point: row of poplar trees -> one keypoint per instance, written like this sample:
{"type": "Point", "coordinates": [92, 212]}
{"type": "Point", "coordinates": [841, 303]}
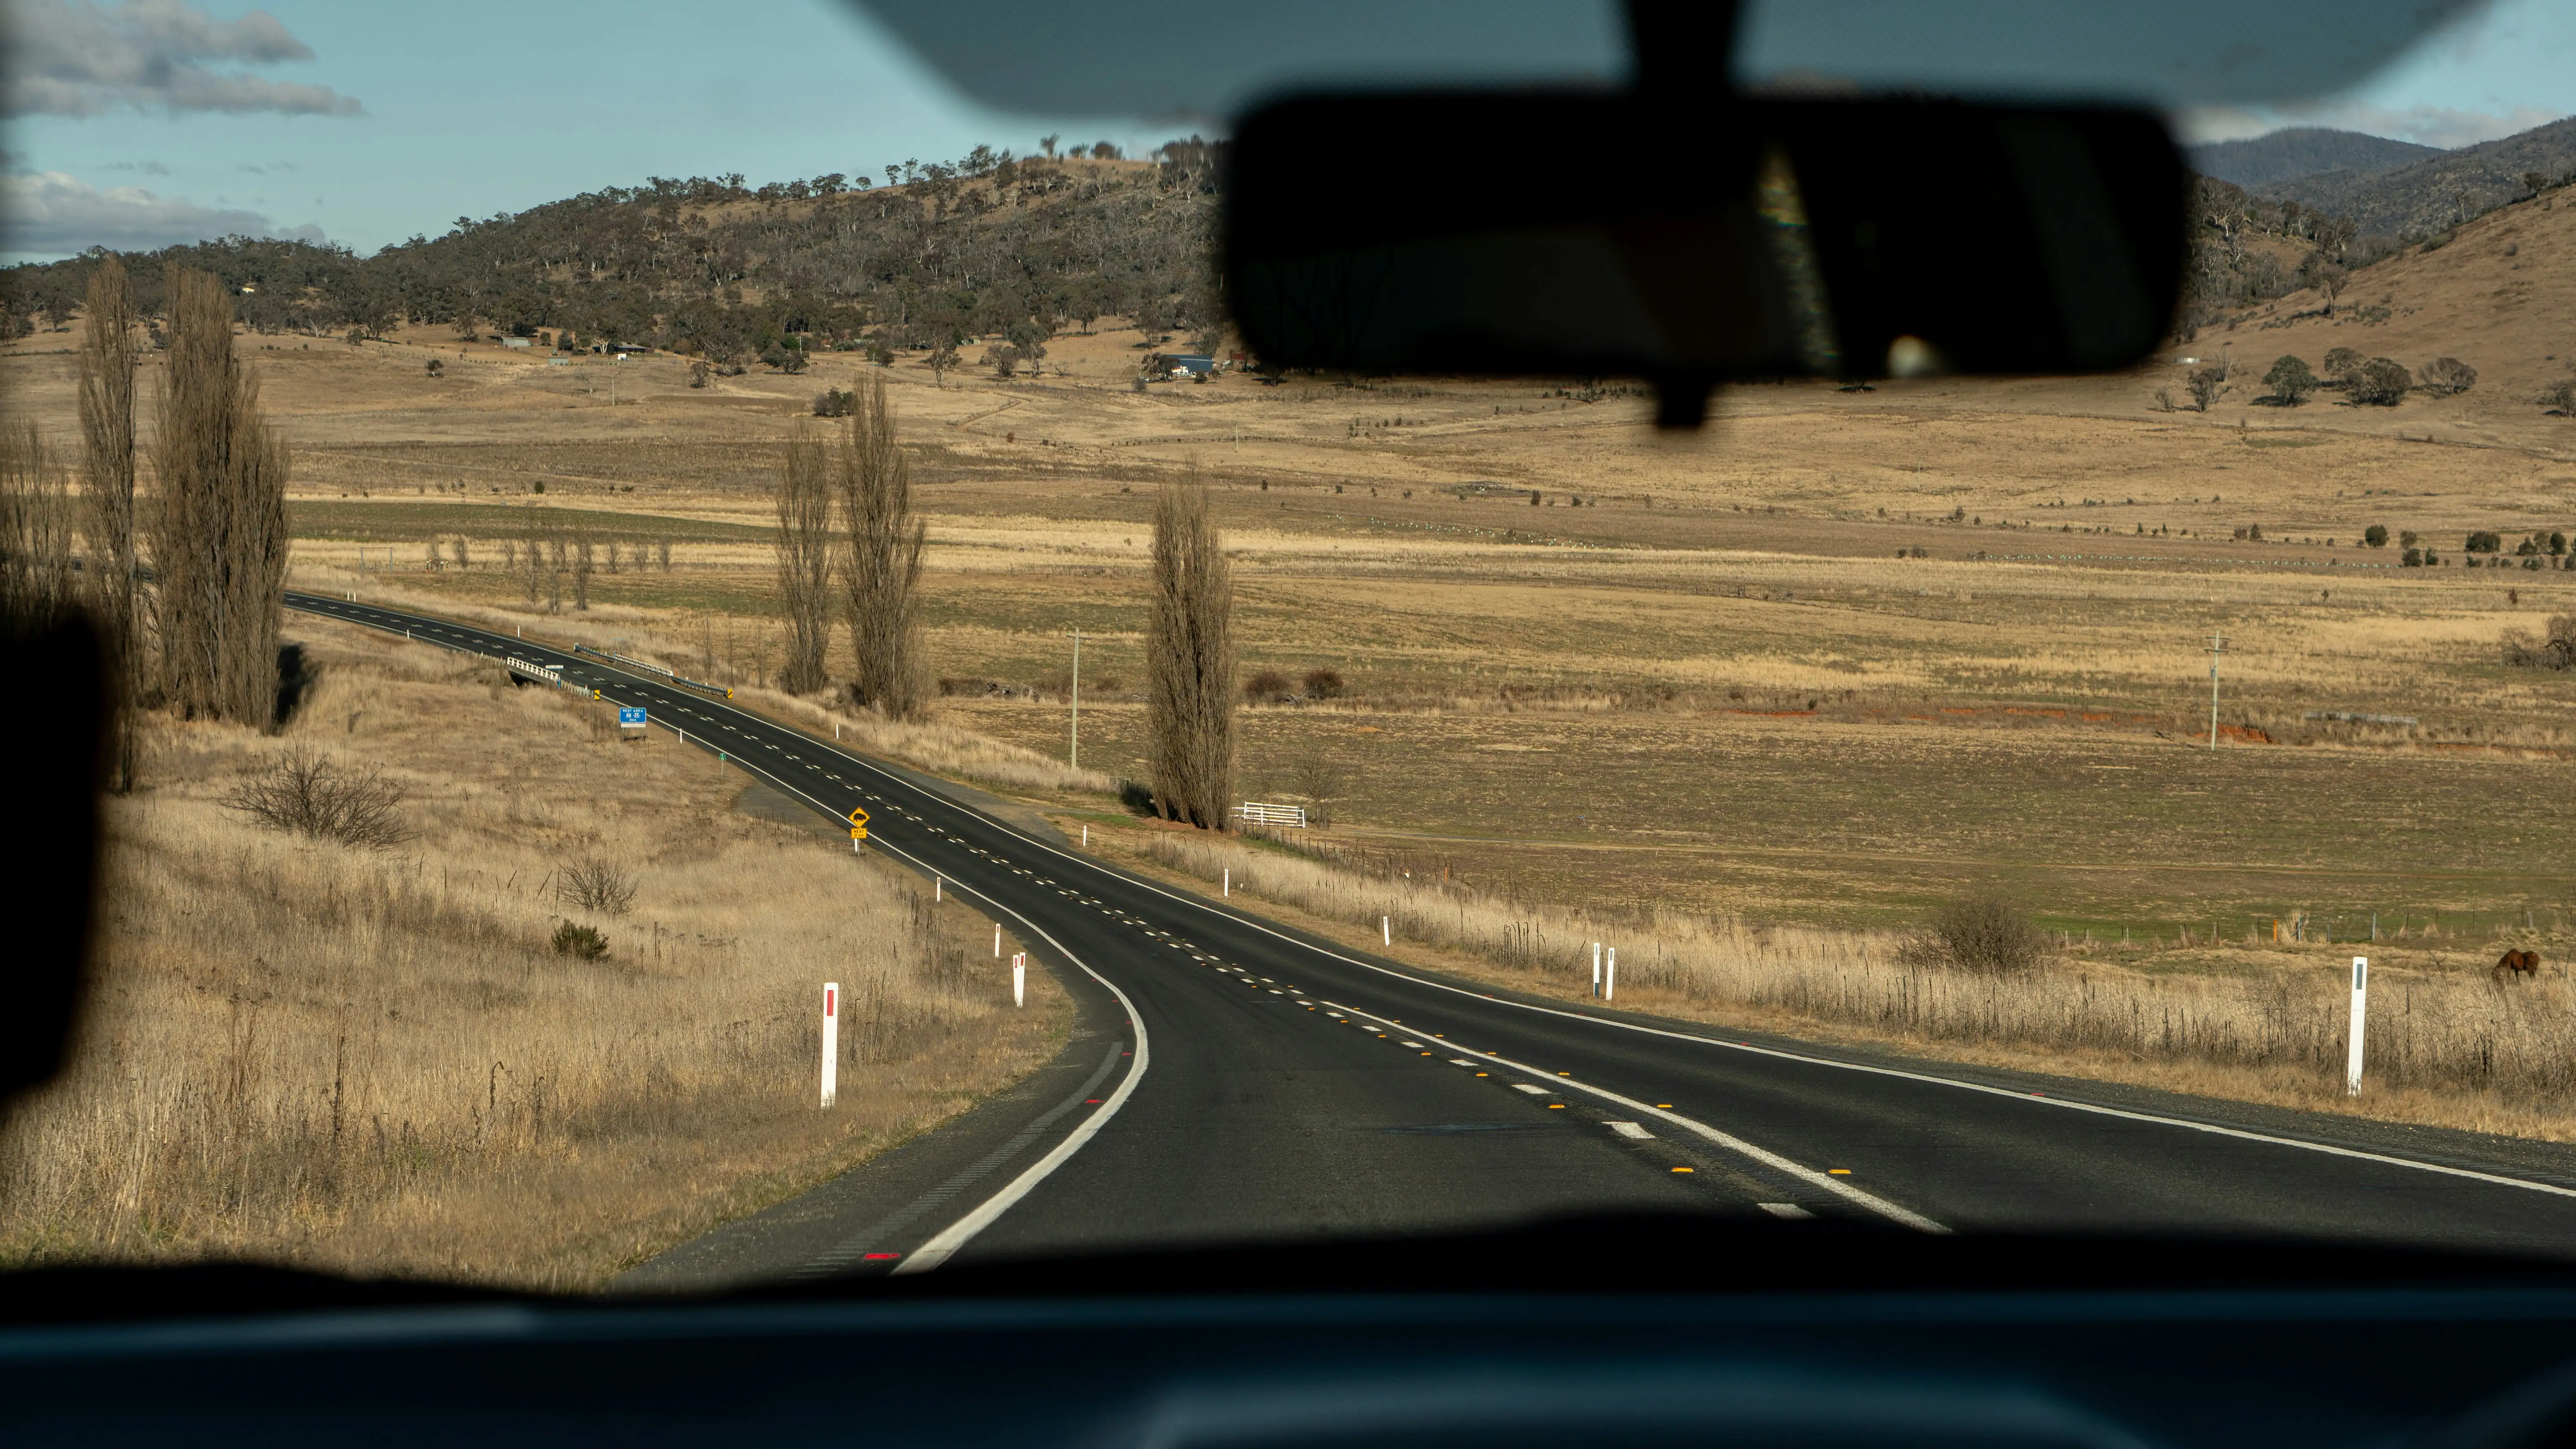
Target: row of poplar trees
{"type": "Point", "coordinates": [185, 582]}
{"type": "Point", "coordinates": [845, 518]}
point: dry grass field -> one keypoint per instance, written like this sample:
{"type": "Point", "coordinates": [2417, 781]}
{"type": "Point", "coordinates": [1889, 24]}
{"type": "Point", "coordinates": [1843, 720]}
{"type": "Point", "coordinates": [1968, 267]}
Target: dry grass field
{"type": "Point", "coordinates": [1835, 660]}
{"type": "Point", "coordinates": [375, 1061]}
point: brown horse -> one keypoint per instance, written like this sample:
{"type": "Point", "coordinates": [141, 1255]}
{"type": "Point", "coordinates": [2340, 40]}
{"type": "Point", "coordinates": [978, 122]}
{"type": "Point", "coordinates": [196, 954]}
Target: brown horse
{"type": "Point", "coordinates": [2517, 963]}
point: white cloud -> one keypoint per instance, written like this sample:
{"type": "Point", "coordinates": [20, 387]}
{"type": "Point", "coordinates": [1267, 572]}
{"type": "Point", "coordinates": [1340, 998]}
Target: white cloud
{"type": "Point", "coordinates": [2443, 126]}
{"type": "Point", "coordinates": [66, 59]}
{"type": "Point", "coordinates": [49, 214]}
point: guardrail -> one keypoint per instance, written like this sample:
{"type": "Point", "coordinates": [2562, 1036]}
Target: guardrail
{"type": "Point", "coordinates": [630, 662]}
{"type": "Point", "coordinates": [1254, 812]}
{"type": "Point", "coordinates": [649, 667]}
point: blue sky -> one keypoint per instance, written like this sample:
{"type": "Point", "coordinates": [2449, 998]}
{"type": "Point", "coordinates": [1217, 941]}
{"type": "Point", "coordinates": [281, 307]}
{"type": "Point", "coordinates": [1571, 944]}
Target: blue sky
{"type": "Point", "coordinates": [137, 123]}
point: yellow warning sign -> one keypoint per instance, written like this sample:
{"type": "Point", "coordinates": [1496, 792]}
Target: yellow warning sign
{"type": "Point", "coordinates": [858, 823]}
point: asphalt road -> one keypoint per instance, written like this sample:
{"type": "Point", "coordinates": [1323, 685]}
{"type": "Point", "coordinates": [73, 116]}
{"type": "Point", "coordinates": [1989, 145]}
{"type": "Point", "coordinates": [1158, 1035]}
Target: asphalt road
{"type": "Point", "coordinates": [1234, 1079]}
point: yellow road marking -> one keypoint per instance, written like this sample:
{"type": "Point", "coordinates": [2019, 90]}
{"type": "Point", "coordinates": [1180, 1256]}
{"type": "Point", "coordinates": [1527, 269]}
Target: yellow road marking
{"type": "Point", "coordinates": [1839, 1171]}
{"type": "Point", "coordinates": [1685, 1169]}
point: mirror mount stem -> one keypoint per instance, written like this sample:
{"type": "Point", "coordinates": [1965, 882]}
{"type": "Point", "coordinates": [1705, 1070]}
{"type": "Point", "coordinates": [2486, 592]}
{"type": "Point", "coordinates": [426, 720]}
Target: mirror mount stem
{"type": "Point", "coordinates": [1681, 400]}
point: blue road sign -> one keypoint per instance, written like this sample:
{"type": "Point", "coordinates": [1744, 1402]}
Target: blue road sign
{"type": "Point", "coordinates": [630, 718]}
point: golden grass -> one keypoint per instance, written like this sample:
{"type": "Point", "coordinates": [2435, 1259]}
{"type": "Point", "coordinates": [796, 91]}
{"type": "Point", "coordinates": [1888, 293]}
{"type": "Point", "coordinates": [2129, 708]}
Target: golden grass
{"type": "Point", "coordinates": [2446, 1044]}
{"type": "Point", "coordinates": [375, 1063]}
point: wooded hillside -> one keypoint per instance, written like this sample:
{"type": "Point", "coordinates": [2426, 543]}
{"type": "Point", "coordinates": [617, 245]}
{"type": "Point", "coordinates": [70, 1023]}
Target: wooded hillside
{"type": "Point", "coordinates": [990, 244]}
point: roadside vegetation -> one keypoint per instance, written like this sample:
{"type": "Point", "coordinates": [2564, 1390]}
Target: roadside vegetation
{"type": "Point", "coordinates": [2448, 1042]}
{"type": "Point", "coordinates": [447, 981]}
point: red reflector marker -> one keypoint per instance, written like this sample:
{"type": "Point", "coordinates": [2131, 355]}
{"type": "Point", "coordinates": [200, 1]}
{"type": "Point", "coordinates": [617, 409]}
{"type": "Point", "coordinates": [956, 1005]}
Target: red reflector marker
{"type": "Point", "coordinates": [878, 1257]}
{"type": "Point", "coordinates": [1091, 1101]}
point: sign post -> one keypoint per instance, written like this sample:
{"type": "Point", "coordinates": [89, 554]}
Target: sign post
{"type": "Point", "coordinates": [831, 1039]}
{"type": "Point", "coordinates": [2360, 994]}
{"type": "Point", "coordinates": [858, 831]}
{"type": "Point", "coordinates": [1019, 978]}
{"type": "Point", "coordinates": [630, 718]}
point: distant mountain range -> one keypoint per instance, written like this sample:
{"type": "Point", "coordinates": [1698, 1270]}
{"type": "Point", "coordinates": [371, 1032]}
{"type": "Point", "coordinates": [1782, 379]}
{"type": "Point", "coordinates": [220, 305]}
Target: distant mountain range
{"type": "Point", "coordinates": [2302, 152]}
{"type": "Point", "coordinates": [2434, 193]}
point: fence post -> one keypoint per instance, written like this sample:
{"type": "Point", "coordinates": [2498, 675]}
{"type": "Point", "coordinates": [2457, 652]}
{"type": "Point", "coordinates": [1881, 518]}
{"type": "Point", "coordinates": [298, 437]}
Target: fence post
{"type": "Point", "coordinates": [831, 1040]}
{"type": "Point", "coordinates": [1019, 978]}
{"type": "Point", "coordinates": [2360, 994]}
{"type": "Point", "coordinates": [1610, 976]}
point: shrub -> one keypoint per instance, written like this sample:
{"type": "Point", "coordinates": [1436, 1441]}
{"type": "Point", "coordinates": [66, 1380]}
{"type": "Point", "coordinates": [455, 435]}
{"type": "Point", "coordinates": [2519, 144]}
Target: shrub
{"type": "Point", "coordinates": [2376, 536]}
{"type": "Point", "coordinates": [595, 884]}
{"type": "Point", "coordinates": [574, 939]}
{"type": "Point", "coordinates": [2406, 539]}
{"type": "Point", "coordinates": [2205, 384]}
{"type": "Point", "coordinates": [306, 794]}
{"type": "Point", "coordinates": [2555, 649]}
{"type": "Point", "coordinates": [1266, 684]}
{"type": "Point", "coordinates": [1982, 933]}
{"type": "Point", "coordinates": [834, 402]}
{"type": "Point", "coordinates": [1324, 682]}
{"type": "Point", "coordinates": [2380, 382]}
{"type": "Point", "coordinates": [2482, 542]}
{"type": "Point", "coordinates": [2560, 398]}
{"type": "Point", "coordinates": [2342, 362]}
{"type": "Point", "coordinates": [436, 367]}
{"type": "Point", "coordinates": [2446, 377]}
{"type": "Point", "coordinates": [2414, 559]}
{"type": "Point", "coordinates": [2290, 380]}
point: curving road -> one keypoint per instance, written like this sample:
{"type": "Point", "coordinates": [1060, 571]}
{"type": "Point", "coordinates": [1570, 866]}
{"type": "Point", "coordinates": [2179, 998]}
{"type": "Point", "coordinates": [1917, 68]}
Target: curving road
{"type": "Point", "coordinates": [1236, 1079]}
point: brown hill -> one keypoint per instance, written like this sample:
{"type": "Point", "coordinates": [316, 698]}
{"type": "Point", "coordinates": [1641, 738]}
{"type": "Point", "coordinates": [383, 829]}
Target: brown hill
{"type": "Point", "coordinates": [2499, 294]}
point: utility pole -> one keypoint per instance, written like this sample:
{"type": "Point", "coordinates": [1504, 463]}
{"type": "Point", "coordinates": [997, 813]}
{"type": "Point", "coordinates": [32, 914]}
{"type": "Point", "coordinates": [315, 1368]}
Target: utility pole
{"type": "Point", "coordinates": [1076, 761]}
{"type": "Point", "coordinates": [2217, 646]}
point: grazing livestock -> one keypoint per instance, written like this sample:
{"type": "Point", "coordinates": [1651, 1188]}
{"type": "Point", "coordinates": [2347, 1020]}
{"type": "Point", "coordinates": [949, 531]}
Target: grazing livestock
{"type": "Point", "coordinates": [2517, 963]}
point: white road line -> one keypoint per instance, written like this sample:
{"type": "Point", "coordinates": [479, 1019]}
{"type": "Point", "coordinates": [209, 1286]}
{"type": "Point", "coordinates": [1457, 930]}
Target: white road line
{"type": "Point", "coordinates": [1788, 1210]}
{"type": "Point", "coordinates": [1534, 1091]}
{"type": "Point", "coordinates": [1727, 1140]}
{"type": "Point", "coordinates": [1631, 1129]}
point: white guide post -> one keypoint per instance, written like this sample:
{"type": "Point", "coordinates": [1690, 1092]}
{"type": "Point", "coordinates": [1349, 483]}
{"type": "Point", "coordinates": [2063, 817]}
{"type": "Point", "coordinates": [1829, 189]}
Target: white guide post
{"type": "Point", "coordinates": [2360, 994]}
{"type": "Point", "coordinates": [938, 890]}
{"type": "Point", "coordinates": [1385, 932]}
{"type": "Point", "coordinates": [1229, 882]}
{"type": "Point", "coordinates": [831, 1040]}
{"type": "Point", "coordinates": [997, 940]}
{"type": "Point", "coordinates": [1596, 968]}
{"type": "Point", "coordinates": [1086, 837]}
{"type": "Point", "coordinates": [1019, 978]}
{"type": "Point", "coordinates": [1610, 976]}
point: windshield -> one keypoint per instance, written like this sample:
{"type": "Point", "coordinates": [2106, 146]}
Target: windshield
{"type": "Point", "coordinates": [731, 672]}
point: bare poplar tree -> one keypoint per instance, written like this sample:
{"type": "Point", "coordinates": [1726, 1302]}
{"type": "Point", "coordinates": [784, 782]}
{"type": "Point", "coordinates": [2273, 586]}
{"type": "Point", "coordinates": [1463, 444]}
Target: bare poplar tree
{"type": "Point", "coordinates": [555, 558]}
{"type": "Point", "coordinates": [219, 545]}
{"type": "Point", "coordinates": [37, 586]}
{"type": "Point", "coordinates": [464, 558]}
{"type": "Point", "coordinates": [666, 555]}
{"type": "Point", "coordinates": [883, 566]}
{"type": "Point", "coordinates": [804, 544]}
{"type": "Point", "coordinates": [582, 559]}
{"type": "Point", "coordinates": [534, 557]}
{"type": "Point", "coordinates": [1189, 660]}
{"type": "Point", "coordinates": [107, 359]}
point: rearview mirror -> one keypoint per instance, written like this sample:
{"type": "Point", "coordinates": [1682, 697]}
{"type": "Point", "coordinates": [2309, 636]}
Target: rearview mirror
{"type": "Point", "coordinates": [1591, 234]}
